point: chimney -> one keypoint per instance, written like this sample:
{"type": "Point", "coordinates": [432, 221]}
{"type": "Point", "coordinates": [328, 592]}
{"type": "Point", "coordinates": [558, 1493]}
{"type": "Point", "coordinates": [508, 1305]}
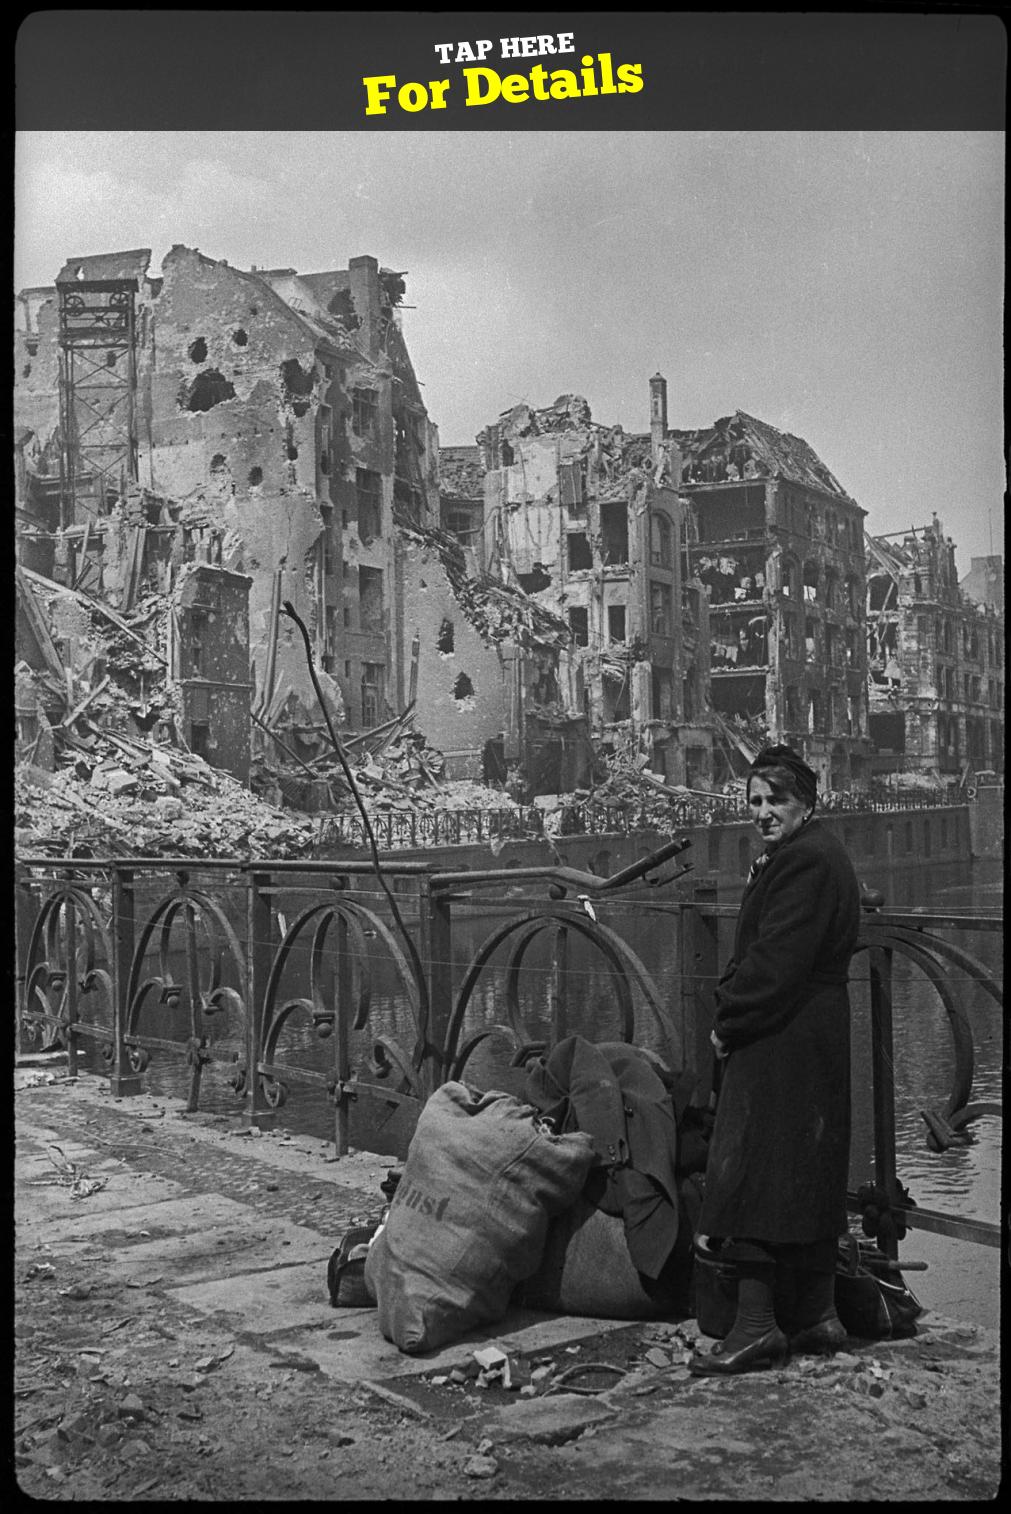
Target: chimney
{"type": "Point", "coordinates": [364, 280]}
{"type": "Point", "coordinates": [658, 414]}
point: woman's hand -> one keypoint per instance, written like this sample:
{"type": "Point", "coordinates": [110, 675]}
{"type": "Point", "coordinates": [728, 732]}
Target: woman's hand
{"type": "Point", "coordinates": [718, 1046]}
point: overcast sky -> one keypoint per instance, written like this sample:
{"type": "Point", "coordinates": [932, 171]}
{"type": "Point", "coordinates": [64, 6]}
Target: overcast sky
{"type": "Point", "coordinates": [844, 286]}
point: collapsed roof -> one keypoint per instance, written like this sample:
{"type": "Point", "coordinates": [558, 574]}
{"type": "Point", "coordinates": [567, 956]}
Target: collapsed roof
{"type": "Point", "coordinates": [739, 446]}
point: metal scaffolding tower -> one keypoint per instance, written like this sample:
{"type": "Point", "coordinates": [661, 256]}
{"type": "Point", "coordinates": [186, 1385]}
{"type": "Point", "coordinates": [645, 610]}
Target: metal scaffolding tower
{"type": "Point", "coordinates": [98, 394]}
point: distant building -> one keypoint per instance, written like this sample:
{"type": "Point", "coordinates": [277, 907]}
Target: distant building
{"type": "Point", "coordinates": [936, 658]}
{"type": "Point", "coordinates": [777, 544]}
{"type": "Point", "coordinates": [984, 583]}
{"type": "Point", "coordinates": [588, 522]}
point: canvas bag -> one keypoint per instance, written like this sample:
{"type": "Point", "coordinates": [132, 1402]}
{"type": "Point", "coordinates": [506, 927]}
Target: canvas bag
{"type": "Point", "coordinates": [483, 1177]}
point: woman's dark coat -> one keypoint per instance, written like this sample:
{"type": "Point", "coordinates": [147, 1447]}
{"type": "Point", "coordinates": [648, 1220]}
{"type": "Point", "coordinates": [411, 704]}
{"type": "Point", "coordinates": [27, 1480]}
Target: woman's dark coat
{"type": "Point", "coordinates": [779, 1156]}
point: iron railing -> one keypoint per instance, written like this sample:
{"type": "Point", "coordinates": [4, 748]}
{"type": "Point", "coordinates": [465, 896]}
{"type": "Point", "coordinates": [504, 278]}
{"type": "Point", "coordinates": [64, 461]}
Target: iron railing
{"type": "Point", "coordinates": [414, 827]}
{"type": "Point", "coordinates": [278, 978]}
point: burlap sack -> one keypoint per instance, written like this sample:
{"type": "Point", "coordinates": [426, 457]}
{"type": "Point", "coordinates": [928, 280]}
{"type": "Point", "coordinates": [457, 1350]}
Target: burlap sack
{"type": "Point", "coordinates": [483, 1177]}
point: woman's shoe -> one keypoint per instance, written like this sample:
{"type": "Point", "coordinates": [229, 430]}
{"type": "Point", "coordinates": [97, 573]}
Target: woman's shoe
{"type": "Point", "coordinates": [755, 1356]}
{"type": "Point", "coordinates": [822, 1339]}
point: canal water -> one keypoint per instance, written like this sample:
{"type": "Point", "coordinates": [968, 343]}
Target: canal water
{"type": "Point", "coordinates": [963, 1181]}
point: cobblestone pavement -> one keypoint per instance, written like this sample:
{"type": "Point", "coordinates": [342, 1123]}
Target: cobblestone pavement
{"type": "Point", "coordinates": [217, 1154]}
{"type": "Point", "coordinates": [149, 1364]}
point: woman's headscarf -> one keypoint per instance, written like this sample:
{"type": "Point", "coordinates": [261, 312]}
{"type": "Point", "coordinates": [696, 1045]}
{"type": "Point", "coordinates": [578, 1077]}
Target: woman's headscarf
{"type": "Point", "coordinates": [790, 768]}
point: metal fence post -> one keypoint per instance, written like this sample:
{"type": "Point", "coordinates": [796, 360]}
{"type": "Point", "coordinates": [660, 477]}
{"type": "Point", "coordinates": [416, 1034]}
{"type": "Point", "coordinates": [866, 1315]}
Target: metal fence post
{"type": "Point", "coordinates": [699, 971]}
{"type": "Point", "coordinates": [259, 954]}
{"type": "Point", "coordinates": [342, 1048]}
{"type": "Point", "coordinates": [125, 1079]}
{"type": "Point", "coordinates": [24, 911]}
{"type": "Point", "coordinates": [435, 946]}
{"type": "Point", "coordinates": [883, 1080]}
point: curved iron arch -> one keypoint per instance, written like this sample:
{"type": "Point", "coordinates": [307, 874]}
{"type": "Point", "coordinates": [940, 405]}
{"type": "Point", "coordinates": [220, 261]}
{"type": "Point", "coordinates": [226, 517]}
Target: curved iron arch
{"type": "Point", "coordinates": [193, 905]}
{"type": "Point", "coordinates": [51, 961]}
{"type": "Point", "coordinates": [622, 962]}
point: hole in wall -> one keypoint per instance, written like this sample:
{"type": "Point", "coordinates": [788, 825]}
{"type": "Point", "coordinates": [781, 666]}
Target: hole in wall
{"type": "Point", "coordinates": [198, 350]}
{"type": "Point", "coordinates": [218, 463]}
{"type": "Point", "coordinates": [208, 389]}
{"type": "Point", "coordinates": [463, 688]}
{"type": "Point", "coordinates": [110, 359]}
{"type": "Point", "coordinates": [445, 638]}
{"type": "Point", "coordinates": [26, 371]}
{"type": "Point", "coordinates": [255, 476]}
{"type": "Point", "coordinates": [240, 337]}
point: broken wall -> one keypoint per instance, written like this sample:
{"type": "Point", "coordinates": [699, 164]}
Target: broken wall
{"type": "Point", "coordinates": [466, 690]}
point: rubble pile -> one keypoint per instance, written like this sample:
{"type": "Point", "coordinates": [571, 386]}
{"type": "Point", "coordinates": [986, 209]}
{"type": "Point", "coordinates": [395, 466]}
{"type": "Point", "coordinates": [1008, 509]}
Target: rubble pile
{"type": "Point", "coordinates": [120, 797]}
{"type": "Point", "coordinates": [628, 784]}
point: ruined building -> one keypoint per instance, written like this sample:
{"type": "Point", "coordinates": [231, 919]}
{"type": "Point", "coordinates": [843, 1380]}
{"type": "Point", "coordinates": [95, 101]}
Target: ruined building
{"type": "Point", "coordinates": [587, 520]}
{"type": "Point", "coordinates": [268, 426]}
{"type": "Point", "coordinates": [262, 422]}
{"type": "Point", "coordinates": [778, 545]}
{"type": "Point", "coordinates": [936, 656]}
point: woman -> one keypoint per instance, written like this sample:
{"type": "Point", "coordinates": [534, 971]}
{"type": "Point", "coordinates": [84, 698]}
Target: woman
{"type": "Point", "coordinates": [778, 1161]}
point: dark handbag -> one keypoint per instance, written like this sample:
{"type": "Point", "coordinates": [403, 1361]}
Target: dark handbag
{"type": "Point", "coordinates": [871, 1296]}
{"type": "Point", "coordinates": [345, 1273]}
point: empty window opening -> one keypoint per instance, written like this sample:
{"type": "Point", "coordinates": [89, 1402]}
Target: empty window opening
{"type": "Point", "coordinates": [463, 688]}
{"type": "Point", "coordinates": [580, 556]}
{"type": "Point", "coordinates": [810, 580]}
{"type": "Point", "coordinates": [255, 476]}
{"type": "Point", "coordinates": [571, 486]}
{"type": "Point", "coordinates": [373, 694]}
{"type": "Point", "coordinates": [370, 599]}
{"type": "Point", "coordinates": [200, 738]}
{"type": "Point", "coordinates": [445, 638]}
{"type": "Point", "coordinates": [616, 622]}
{"type": "Point", "coordinates": [240, 337]}
{"type": "Point", "coordinates": [198, 350]}
{"type": "Point", "coordinates": [579, 625]}
{"type": "Point", "coordinates": [614, 533]}
{"type": "Point", "coordinates": [368, 486]}
{"type": "Point", "coordinates": [810, 639]}
{"type": "Point", "coordinates": [198, 638]}
{"type": "Point", "coordinates": [660, 609]}
{"type": "Point", "coordinates": [665, 701]}
{"type": "Point", "coordinates": [661, 555]}
{"type": "Point", "coordinates": [364, 411]}
{"type": "Point", "coordinates": [208, 389]}
{"type": "Point", "coordinates": [507, 454]}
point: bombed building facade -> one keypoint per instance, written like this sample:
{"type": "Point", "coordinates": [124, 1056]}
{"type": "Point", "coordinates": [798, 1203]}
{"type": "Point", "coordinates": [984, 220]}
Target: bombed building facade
{"type": "Point", "coordinates": [587, 520]}
{"type": "Point", "coordinates": [936, 657]}
{"type": "Point", "coordinates": [266, 425]}
{"type": "Point", "coordinates": [274, 419]}
{"type": "Point", "coordinates": [778, 545]}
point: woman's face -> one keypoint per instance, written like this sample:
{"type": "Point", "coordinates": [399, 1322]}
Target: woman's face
{"type": "Point", "coordinates": [776, 812]}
